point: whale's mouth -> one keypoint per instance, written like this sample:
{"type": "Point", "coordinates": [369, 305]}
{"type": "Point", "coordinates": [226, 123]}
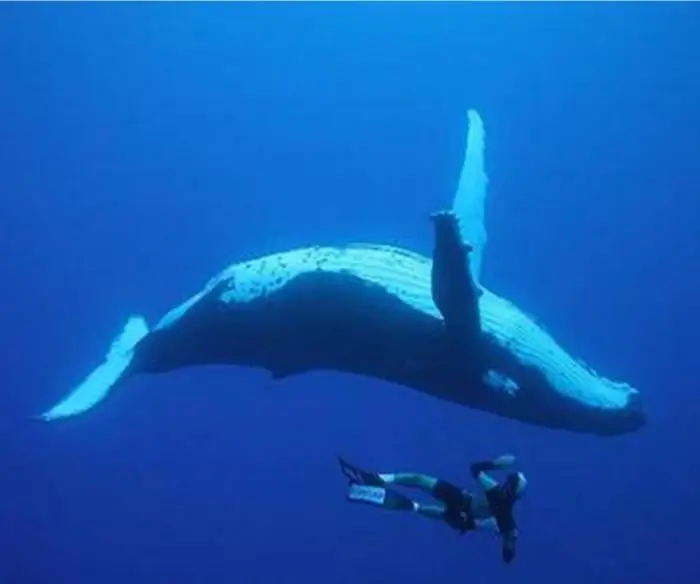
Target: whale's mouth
{"type": "Point", "coordinates": [626, 419]}
{"type": "Point", "coordinates": [629, 416]}
{"type": "Point", "coordinates": [633, 416]}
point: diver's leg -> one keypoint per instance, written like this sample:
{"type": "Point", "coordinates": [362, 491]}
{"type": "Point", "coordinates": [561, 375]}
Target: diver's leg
{"type": "Point", "coordinates": [391, 500]}
{"type": "Point", "coordinates": [448, 494]}
{"type": "Point", "coordinates": [420, 481]}
{"type": "Point", "coordinates": [380, 497]}
{"type": "Point", "coordinates": [410, 479]}
{"type": "Point", "coordinates": [406, 479]}
{"type": "Point", "coordinates": [469, 200]}
{"type": "Point", "coordinates": [454, 506]}
{"type": "Point", "coordinates": [431, 511]}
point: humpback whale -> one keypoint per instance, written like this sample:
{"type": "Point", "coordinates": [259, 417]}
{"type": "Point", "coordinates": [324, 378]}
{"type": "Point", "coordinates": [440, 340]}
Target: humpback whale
{"type": "Point", "coordinates": [426, 323]}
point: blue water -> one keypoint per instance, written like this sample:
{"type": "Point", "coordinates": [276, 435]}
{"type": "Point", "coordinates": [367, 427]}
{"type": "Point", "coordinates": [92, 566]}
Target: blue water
{"type": "Point", "coordinates": [145, 147]}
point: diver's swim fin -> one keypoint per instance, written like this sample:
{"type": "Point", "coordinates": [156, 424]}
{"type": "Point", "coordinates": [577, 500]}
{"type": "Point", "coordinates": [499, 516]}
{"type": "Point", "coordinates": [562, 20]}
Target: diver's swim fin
{"type": "Point", "coordinates": [379, 496]}
{"type": "Point", "coordinates": [359, 476]}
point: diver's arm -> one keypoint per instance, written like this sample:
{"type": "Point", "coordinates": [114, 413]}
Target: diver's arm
{"type": "Point", "coordinates": [480, 468]}
{"type": "Point", "coordinates": [507, 540]}
{"type": "Point", "coordinates": [508, 546]}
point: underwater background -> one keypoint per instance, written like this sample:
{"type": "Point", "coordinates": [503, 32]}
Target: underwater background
{"type": "Point", "coordinates": [144, 147]}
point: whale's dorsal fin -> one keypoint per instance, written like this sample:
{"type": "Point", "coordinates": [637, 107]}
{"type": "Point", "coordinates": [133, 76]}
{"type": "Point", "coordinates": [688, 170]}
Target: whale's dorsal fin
{"type": "Point", "coordinates": [469, 200]}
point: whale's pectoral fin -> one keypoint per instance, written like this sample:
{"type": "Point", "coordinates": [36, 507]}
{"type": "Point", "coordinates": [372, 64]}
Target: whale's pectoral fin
{"type": "Point", "coordinates": [103, 379]}
{"type": "Point", "coordinates": [454, 291]}
{"type": "Point", "coordinates": [469, 200]}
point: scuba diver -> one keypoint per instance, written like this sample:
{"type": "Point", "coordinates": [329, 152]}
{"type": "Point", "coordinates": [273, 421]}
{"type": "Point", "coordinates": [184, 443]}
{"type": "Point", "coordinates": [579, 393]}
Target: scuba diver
{"type": "Point", "coordinates": [490, 509]}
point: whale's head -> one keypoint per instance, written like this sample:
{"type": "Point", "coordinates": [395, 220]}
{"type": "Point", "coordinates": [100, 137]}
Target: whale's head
{"type": "Point", "coordinates": [591, 403]}
{"type": "Point", "coordinates": [629, 416]}
{"type": "Point", "coordinates": [536, 380]}
{"type": "Point", "coordinates": [582, 402]}
{"type": "Point", "coordinates": [634, 415]}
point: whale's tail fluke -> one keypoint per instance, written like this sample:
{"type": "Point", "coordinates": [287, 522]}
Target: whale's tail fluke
{"type": "Point", "coordinates": [99, 383]}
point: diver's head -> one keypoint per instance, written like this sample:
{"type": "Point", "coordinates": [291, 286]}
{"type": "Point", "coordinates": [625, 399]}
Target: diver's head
{"type": "Point", "coordinates": [517, 484]}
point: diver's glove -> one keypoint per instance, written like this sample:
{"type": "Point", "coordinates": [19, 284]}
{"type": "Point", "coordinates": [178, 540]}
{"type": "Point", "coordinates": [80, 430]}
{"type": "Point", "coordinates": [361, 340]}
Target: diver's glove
{"type": "Point", "coordinates": [498, 463]}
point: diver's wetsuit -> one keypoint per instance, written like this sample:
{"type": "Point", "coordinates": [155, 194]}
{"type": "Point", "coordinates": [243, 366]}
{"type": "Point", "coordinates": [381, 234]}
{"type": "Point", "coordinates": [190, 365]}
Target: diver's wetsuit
{"type": "Point", "coordinates": [459, 512]}
{"type": "Point", "coordinates": [501, 500]}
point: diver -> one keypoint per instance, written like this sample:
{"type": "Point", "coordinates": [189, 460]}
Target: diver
{"type": "Point", "coordinates": [490, 509]}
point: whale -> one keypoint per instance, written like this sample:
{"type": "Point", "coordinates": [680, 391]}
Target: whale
{"type": "Point", "coordinates": [422, 322]}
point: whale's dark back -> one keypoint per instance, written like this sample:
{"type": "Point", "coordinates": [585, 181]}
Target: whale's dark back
{"type": "Point", "coordinates": [319, 320]}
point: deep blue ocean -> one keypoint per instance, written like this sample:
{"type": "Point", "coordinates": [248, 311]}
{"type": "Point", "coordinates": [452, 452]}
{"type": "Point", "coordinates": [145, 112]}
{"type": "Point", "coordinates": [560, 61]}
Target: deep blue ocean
{"type": "Point", "coordinates": [144, 147]}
